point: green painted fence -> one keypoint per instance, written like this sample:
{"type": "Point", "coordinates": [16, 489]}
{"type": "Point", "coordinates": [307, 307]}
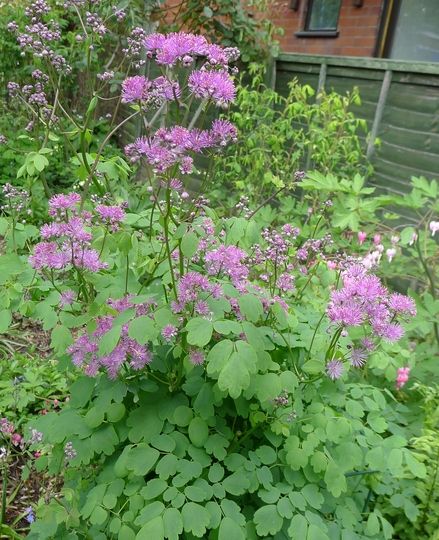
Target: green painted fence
{"type": "Point", "coordinates": [400, 101]}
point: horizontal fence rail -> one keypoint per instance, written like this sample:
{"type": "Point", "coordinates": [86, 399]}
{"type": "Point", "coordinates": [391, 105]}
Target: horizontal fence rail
{"type": "Point", "coordinates": [400, 102]}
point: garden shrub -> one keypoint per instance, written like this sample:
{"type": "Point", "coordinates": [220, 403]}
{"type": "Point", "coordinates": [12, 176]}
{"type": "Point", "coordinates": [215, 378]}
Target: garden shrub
{"type": "Point", "coordinates": [284, 134]}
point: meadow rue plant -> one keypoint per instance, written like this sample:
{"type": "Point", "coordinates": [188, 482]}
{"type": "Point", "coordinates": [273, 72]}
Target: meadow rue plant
{"type": "Point", "coordinates": [222, 368]}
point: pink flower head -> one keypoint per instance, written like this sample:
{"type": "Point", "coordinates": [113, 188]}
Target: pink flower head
{"type": "Point", "coordinates": [175, 47]}
{"type": "Point", "coordinates": [135, 88]}
{"type": "Point", "coordinates": [63, 202]}
{"type": "Point", "coordinates": [111, 215]}
{"type": "Point", "coordinates": [196, 357]}
{"type": "Point", "coordinates": [67, 298]}
{"type": "Point", "coordinates": [334, 369]}
{"type": "Point", "coordinates": [169, 332]}
{"type": "Point", "coordinates": [215, 85]}
{"type": "Point", "coordinates": [361, 237]}
{"type": "Point", "coordinates": [377, 239]}
{"type": "Point", "coordinates": [402, 377]}
{"type": "Point", "coordinates": [402, 304]}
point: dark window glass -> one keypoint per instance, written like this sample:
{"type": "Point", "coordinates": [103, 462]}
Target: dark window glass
{"type": "Point", "coordinates": [323, 15]}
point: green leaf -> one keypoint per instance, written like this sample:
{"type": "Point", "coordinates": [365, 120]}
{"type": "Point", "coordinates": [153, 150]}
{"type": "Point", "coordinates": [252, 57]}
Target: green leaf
{"type": "Point", "coordinates": [189, 244]}
{"type": "Point", "coordinates": [237, 483]}
{"type": "Point", "coordinates": [173, 524]}
{"type": "Point", "coordinates": [235, 375]}
{"type": "Point", "coordinates": [142, 458]}
{"type": "Point", "coordinates": [198, 432]}
{"type": "Point", "coordinates": [267, 520]}
{"type": "Point", "coordinates": [313, 496]}
{"type": "Point", "coordinates": [61, 338]}
{"type": "Point", "coordinates": [298, 528]}
{"type": "Point", "coordinates": [40, 162]}
{"type": "Point", "coordinates": [115, 412]}
{"type": "Point", "coordinates": [154, 529]}
{"type": "Point", "coordinates": [143, 329]}
{"type": "Point", "coordinates": [199, 331]}
{"type": "Point", "coordinates": [5, 320]}
{"type": "Point", "coordinates": [153, 488]}
{"type": "Point", "coordinates": [94, 417]}
{"type": "Point", "coordinates": [230, 530]}
{"type": "Point", "coordinates": [109, 340]}
{"type": "Point", "coordinates": [183, 416]}
{"type": "Point", "coordinates": [251, 307]}
{"type": "Point", "coordinates": [218, 356]}
{"type": "Point", "coordinates": [335, 479]}
{"type": "Point", "coordinates": [196, 519]}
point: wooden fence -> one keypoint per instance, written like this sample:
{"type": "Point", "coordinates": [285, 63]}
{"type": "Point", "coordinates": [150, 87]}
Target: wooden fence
{"type": "Point", "coordinates": [400, 102]}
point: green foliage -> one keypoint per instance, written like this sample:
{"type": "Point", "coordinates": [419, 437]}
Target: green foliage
{"type": "Point", "coordinates": [281, 135]}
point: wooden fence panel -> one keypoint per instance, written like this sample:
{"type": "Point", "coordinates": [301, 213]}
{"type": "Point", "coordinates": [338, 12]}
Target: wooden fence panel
{"type": "Point", "coordinates": [400, 102]}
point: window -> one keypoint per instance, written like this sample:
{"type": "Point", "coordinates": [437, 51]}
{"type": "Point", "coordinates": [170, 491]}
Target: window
{"type": "Point", "coordinates": [413, 33]}
{"type": "Point", "coordinates": [322, 15]}
{"type": "Point", "coordinates": [321, 19]}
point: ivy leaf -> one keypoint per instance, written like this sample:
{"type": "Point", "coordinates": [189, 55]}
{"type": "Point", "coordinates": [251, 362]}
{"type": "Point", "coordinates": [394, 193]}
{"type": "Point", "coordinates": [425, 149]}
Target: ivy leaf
{"type": "Point", "coordinates": [230, 530]}
{"type": "Point", "coordinates": [267, 520]}
{"type": "Point", "coordinates": [199, 331]}
{"type": "Point", "coordinates": [196, 519]}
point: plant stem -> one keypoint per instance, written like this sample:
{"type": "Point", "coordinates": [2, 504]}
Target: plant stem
{"type": "Point", "coordinates": [432, 285]}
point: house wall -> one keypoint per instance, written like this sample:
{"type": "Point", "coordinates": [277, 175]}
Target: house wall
{"type": "Point", "coordinates": [358, 29]}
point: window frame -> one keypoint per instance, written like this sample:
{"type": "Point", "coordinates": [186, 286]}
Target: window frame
{"type": "Point", "coordinates": [307, 32]}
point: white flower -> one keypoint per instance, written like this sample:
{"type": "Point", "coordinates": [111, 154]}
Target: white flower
{"type": "Point", "coordinates": [434, 227]}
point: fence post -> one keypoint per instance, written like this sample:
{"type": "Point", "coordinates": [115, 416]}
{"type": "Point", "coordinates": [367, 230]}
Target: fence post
{"type": "Point", "coordinates": [379, 113]}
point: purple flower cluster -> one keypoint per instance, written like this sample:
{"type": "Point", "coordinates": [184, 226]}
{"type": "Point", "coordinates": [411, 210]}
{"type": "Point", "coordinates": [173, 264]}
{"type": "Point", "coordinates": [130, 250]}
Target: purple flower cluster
{"type": "Point", "coordinates": [67, 239]}
{"type": "Point", "coordinates": [149, 92]}
{"type": "Point", "coordinates": [193, 289]}
{"type": "Point", "coordinates": [363, 300]}
{"type": "Point", "coordinates": [227, 260]}
{"type": "Point", "coordinates": [85, 349]}
{"type": "Point", "coordinates": [184, 48]}
{"type": "Point", "coordinates": [16, 199]}
{"type": "Point", "coordinates": [111, 216]}
{"type": "Point", "coordinates": [38, 35]}
{"type": "Point", "coordinates": [168, 147]}
{"type": "Point", "coordinates": [212, 85]}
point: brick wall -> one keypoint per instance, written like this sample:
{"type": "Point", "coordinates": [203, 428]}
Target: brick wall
{"type": "Point", "coordinates": [358, 29]}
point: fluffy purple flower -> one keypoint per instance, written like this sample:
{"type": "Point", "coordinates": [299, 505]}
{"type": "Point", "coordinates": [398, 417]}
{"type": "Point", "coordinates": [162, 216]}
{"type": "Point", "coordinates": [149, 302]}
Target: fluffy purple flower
{"type": "Point", "coordinates": [402, 304]}
{"type": "Point", "coordinates": [175, 47]}
{"type": "Point", "coordinates": [84, 350]}
{"type": "Point", "coordinates": [228, 260]}
{"type": "Point", "coordinates": [222, 132]}
{"type": "Point", "coordinates": [285, 282]}
{"type": "Point", "coordinates": [358, 357]}
{"type": "Point", "coordinates": [111, 215]}
{"type": "Point", "coordinates": [196, 357]}
{"type": "Point", "coordinates": [169, 332]}
{"type": "Point", "coordinates": [334, 369]}
{"type": "Point", "coordinates": [215, 85]}
{"type": "Point", "coordinates": [135, 88]}
{"type": "Point", "coordinates": [67, 298]}
{"type": "Point", "coordinates": [46, 255]}
{"type": "Point", "coordinates": [390, 332]}
{"type": "Point", "coordinates": [63, 202]}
